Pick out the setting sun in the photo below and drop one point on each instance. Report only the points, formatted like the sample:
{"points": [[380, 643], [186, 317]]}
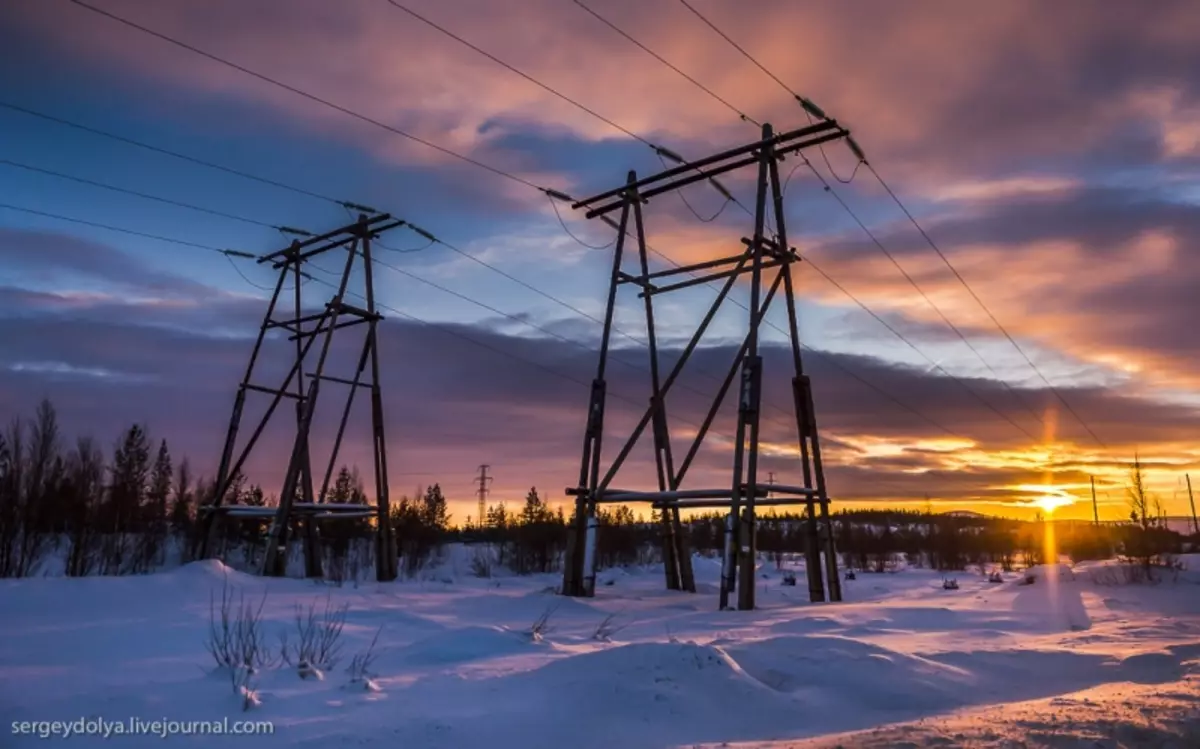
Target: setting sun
{"points": [[1051, 502]]}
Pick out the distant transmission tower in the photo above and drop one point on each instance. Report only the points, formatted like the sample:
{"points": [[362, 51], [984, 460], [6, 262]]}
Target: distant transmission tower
{"points": [[297, 503], [483, 479]]}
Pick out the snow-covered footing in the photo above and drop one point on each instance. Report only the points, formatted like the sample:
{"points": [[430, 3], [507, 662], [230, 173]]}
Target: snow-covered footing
{"points": [[459, 664]]}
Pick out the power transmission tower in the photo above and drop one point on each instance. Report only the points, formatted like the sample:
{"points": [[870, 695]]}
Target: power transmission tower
{"points": [[483, 479], [1192, 503], [1095, 507], [296, 500], [767, 249]]}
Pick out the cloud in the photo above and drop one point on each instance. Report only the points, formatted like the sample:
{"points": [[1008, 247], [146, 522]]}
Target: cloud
{"points": [[1050, 160], [953, 88], [1100, 275], [456, 396], [51, 259]]}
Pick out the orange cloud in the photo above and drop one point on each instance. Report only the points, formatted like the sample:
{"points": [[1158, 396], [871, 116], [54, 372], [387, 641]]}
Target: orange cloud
{"points": [[912, 91]]}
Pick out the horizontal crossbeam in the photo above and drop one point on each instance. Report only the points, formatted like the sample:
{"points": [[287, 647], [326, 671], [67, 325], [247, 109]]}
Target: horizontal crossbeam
{"points": [[354, 230], [375, 232], [725, 493], [271, 391], [712, 504], [323, 328], [710, 277], [823, 127], [340, 380], [706, 265], [709, 173]]}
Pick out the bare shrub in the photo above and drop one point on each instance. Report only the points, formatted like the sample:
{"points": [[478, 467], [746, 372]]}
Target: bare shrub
{"points": [[318, 646], [481, 563], [541, 626], [607, 628], [242, 681], [1134, 572], [360, 665], [235, 636]]}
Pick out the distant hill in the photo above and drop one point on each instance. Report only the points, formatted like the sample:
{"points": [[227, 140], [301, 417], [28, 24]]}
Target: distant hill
{"points": [[964, 514]]}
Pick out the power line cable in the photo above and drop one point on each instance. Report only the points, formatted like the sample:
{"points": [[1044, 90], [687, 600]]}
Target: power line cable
{"points": [[660, 151], [311, 97], [509, 354], [364, 118], [828, 188], [109, 227], [250, 282], [912, 219], [261, 287], [912, 282], [984, 306], [230, 254], [127, 191], [571, 234], [664, 61], [165, 151], [282, 185]]}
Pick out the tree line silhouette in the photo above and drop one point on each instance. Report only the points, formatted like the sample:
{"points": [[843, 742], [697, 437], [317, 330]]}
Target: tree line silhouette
{"points": [[134, 509]]}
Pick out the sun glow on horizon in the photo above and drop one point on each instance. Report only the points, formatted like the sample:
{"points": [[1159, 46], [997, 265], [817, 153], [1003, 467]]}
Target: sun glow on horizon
{"points": [[1051, 502]]}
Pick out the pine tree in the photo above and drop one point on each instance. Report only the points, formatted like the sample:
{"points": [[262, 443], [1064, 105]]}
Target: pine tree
{"points": [[181, 507], [155, 515], [253, 496], [44, 475], [497, 516], [535, 509], [343, 487], [434, 513], [127, 491]]}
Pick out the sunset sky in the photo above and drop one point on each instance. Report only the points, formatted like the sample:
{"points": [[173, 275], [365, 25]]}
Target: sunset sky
{"points": [[1051, 150]]}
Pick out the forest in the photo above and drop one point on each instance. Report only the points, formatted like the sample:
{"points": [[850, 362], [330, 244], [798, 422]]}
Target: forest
{"points": [[75, 509]]}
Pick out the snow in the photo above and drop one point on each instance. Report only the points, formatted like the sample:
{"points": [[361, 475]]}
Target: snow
{"points": [[903, 662]]}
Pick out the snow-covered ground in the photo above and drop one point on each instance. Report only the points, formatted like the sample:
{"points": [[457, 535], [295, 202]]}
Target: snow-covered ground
{"points": [[1065, 662]]}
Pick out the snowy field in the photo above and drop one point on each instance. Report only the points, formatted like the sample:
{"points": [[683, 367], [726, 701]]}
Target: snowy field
{"points": [[1073, 660]]}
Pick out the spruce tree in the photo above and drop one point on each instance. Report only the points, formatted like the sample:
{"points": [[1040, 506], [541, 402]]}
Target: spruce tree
{"points": [[181, 510], [155, 511], [434, 513], [127, 492]]}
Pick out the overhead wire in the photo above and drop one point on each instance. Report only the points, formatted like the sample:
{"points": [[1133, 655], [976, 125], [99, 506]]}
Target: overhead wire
{"points": [[984, 307], [661, 151], [743, 116], [110, 227], [775, 78], [807, 259], [164, 151], [262, 287], [487, 167], [912, 219], [377, 261], [231, 254], [450, 330], [127, 191], [571, 234], [666, 62], [912, 282], [310, 96]]}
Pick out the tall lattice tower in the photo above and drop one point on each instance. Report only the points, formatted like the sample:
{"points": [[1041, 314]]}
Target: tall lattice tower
{"points": [[313, 334]]}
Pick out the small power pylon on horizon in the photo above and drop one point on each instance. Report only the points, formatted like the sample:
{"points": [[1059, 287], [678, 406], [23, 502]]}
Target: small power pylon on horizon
{"points": [[483, 479]]}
